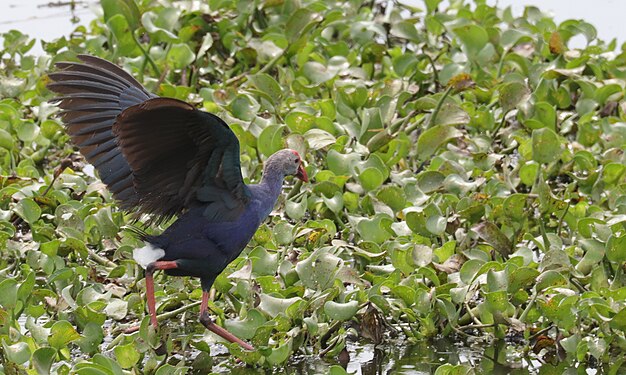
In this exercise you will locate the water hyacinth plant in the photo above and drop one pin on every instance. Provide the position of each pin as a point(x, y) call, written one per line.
point(467, 184)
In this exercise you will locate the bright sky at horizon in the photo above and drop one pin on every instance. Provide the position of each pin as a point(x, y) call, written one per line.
point(40, 21)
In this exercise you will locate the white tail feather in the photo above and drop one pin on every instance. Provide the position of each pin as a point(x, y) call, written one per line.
point(147, 254)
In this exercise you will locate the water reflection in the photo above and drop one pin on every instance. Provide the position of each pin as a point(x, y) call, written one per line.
point(482, 357)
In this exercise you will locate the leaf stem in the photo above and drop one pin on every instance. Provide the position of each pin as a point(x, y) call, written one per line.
point(533, 297)
point(100, 259)
point(433, 116)
point(495, 131)
point(147, 55)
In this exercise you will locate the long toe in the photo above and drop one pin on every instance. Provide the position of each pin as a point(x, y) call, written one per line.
point(206, 321)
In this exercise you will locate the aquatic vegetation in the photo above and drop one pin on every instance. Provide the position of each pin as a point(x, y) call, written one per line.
point(467, 180)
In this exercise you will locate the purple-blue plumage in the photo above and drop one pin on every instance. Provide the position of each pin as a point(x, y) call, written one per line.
point(204, 247)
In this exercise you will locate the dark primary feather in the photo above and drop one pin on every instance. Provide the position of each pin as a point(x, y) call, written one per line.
point(157, 156)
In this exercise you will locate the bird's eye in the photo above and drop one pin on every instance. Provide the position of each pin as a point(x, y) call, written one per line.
point(296, 161)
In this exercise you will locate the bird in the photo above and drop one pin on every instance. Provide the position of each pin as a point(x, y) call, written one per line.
point(166, 159)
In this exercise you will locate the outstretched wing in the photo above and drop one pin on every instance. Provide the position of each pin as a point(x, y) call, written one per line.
point(157, 156)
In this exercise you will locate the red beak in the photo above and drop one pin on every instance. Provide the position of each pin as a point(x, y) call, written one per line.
point(301, 173)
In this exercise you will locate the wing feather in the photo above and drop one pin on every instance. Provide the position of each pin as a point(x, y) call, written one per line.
point(156, 155)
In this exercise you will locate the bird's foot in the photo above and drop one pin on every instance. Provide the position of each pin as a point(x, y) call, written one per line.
point(206, 321)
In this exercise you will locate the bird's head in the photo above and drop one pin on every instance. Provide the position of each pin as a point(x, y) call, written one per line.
point(289, 162)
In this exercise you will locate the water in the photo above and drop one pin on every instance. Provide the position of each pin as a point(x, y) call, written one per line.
point(401, 358)
point(45, 19)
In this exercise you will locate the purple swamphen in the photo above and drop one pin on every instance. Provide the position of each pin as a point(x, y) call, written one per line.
point(163, 157)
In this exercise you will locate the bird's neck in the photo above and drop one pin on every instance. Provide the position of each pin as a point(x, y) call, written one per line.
point(272, 181)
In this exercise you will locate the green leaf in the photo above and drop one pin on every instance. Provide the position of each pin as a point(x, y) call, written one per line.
point(377, 230)
point(180, 56)
point(612, 172)
point(433, 138)
point(6, 140)
point(298, 23)
point(17, 353)
point(244, 108)
point(546, 145)
point(296, 210)
point(615, 249)
point(452, 114)
point(497, 301)
point(371, 178)
point(405, 64)
point(127, 355)
point(513, 94)
point(491, 234)
point(281, 354)
point(317, 73)
point(8, 293)
point(125, 8)
point(318, 270)
point(337, 370)
point(61, 334)
point(42, 360)
point(318, 139)
point(407, 30)
point(473, 37)
point(123, 33)
point(273, 305)
point(160, 24)
point(392, 196)
point(92, 336)
point(246, 328)
point(271, 140)
point(341, 311)
point(28, 210)
point(27, 131)
point(619, 320)
point(268, 85)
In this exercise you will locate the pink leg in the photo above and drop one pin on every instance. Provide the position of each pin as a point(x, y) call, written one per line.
point(158, 265)
point(206, 321)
